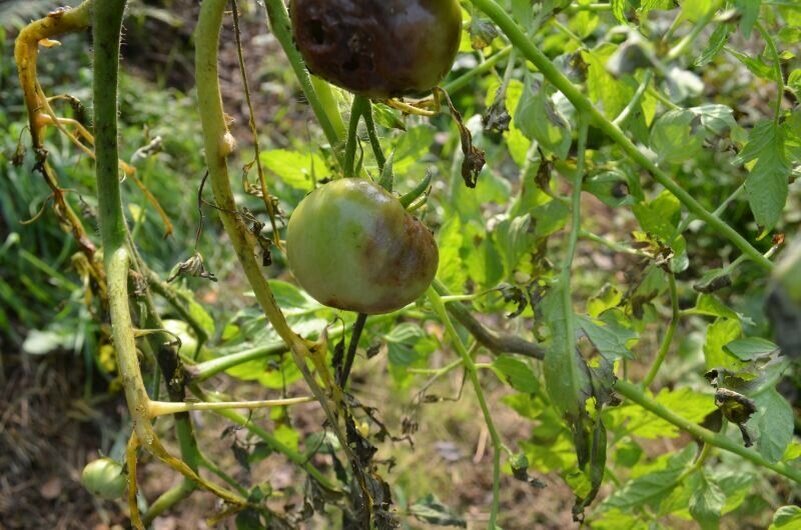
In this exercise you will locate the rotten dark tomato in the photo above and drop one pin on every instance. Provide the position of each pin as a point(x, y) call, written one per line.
point(378, 48)
point(351, 245)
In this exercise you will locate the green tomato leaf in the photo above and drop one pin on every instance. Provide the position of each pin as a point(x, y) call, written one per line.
point(430, 510)
point(686, 402)
point(710, 305)
point(538, 119)
point(774, 422)
point(619, 10)
point(674, 136)
point(294, 168)
point(706, 502)
point(786, 518)
point(716, 42)
point(608, 297)
point(603, 88)
point(650, 489)
point(749, 12)
point(751, 348)
point(566, 377)
point(517, 373)
point(659, 216)
point(767, 184)
point(718, 334)
point(451, 269)
point(608, 337)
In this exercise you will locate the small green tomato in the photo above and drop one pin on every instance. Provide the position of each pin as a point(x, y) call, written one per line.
point(104, 478)
point(351, 245)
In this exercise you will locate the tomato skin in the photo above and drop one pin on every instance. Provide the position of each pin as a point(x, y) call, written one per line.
point(104, 478)
point(351, 245)
point(378, 48)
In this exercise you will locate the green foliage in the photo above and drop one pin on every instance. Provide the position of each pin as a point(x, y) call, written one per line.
point(689, 98)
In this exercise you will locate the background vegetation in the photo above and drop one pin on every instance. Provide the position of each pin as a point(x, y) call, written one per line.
point(707, 90)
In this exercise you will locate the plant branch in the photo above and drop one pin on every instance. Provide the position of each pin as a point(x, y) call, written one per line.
point(472, 373)
point(518, 38)
point(107, 25)
point(668, 338)
point(633, 393)
point(161, 408)
point(360, 104)
point(497, 343)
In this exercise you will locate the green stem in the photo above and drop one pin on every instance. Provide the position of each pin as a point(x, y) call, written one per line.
point(293, 456)
point(172, 297)
point(329, 104)
point(635, 99)
point(357, 110)
point(375, 144)
point(495, 342)
point(464, 79)
point(225, 477)
point(168, 499)
point(519, 39)
point(472, 373)
point(107, 25)
point(633, 393)
point(699, 26)
point(668, 338)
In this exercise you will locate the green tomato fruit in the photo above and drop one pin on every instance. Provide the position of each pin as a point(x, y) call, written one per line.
point(104, 478)
point(378, 48)
point(353, 246)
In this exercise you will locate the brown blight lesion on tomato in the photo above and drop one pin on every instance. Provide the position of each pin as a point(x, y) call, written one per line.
point(378, 48)
point(351, 245)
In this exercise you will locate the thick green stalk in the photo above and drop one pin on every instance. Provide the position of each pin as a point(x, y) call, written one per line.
point(518, 38)
point(218, 144)
point(633, 393)
point(107, 25)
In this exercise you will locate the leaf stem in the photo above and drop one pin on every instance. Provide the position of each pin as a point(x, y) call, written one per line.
point(360, 103)
point(381, 160)
point(472, 373)
point(699, 26)
point(668, 338)
point(464, 79)
point(635, 99)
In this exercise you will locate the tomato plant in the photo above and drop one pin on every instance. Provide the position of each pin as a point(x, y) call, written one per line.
point(611, 302)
